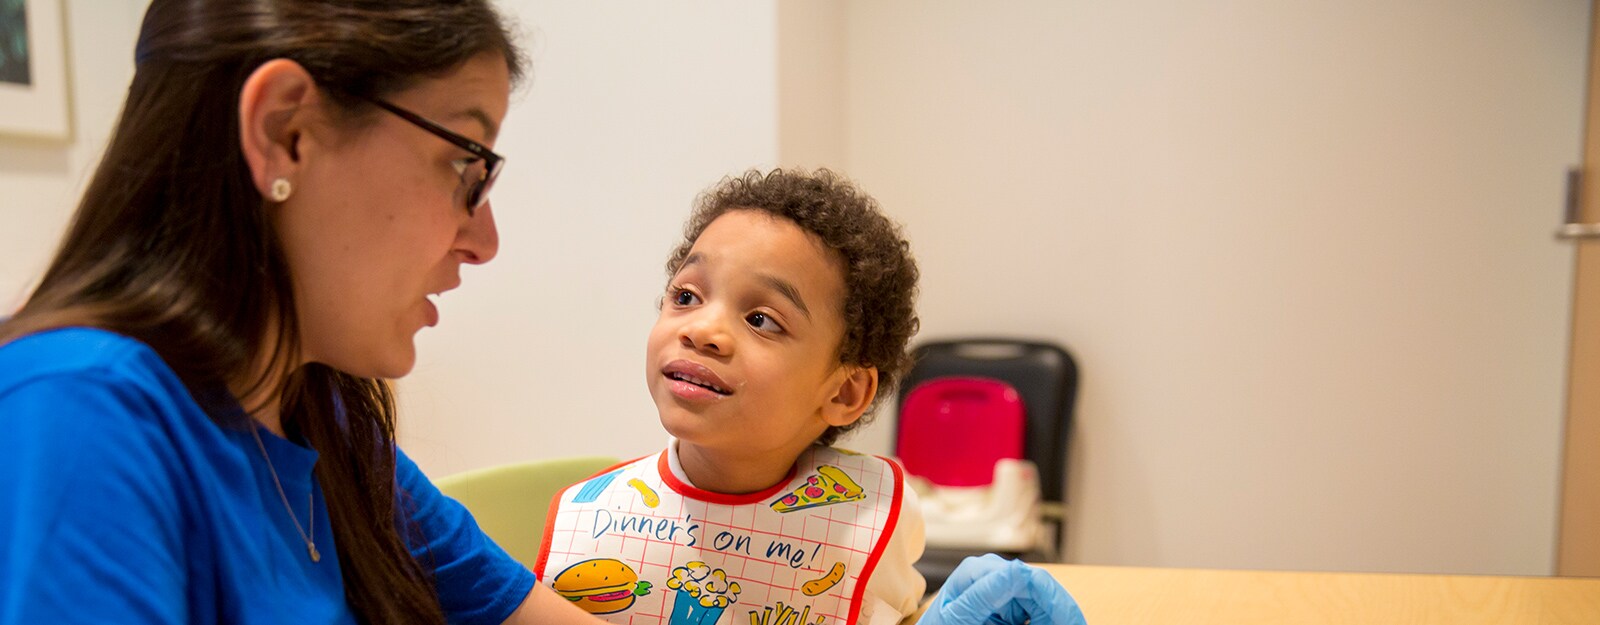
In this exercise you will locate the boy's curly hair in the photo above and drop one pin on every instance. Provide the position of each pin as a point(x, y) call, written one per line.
point(880, 275)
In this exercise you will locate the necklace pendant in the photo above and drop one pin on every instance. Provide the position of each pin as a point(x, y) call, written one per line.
point(312, 549)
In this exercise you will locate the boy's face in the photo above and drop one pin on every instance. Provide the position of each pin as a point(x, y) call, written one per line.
point(744, 356)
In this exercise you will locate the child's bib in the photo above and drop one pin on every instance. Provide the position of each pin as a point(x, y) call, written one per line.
point(637, 546)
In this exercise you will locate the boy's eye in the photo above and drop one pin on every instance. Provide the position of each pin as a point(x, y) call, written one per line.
point(763, 322)
point(684, 298)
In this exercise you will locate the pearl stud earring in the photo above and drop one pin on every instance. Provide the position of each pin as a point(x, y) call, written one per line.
point(281, 189)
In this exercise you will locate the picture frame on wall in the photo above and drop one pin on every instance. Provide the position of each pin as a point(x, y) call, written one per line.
point(33, 70)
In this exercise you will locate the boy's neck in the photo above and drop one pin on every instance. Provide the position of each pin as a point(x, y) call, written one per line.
point(733, 475)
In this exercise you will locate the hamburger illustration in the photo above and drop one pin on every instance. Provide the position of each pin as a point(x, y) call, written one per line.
point(600, 585)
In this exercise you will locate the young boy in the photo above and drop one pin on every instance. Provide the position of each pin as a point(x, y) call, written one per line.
point(784, 322)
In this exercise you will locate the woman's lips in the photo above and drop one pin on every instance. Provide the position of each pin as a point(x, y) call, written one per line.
point(431, 309)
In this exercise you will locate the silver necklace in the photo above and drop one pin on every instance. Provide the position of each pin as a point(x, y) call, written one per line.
point(311, 519)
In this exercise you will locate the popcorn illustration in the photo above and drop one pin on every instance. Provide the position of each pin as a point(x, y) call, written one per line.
point(702, 594)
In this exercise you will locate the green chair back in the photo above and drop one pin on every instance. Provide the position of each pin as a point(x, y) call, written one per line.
point(510, 501)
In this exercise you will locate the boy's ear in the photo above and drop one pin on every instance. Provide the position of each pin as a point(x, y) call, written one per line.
point(273, 113)
point(855, 392)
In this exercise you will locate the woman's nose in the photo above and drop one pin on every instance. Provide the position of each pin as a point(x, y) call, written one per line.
point(479, 239)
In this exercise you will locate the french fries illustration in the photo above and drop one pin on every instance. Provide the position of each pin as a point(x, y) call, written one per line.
point(646, 493)
point(784, 615)
point(822, 584)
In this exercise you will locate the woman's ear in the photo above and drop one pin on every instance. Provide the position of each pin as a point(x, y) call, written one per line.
point(854, 394)
point(274, 106)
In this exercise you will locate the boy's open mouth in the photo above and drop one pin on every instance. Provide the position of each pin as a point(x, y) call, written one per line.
point(684, 377)
point(696, 376)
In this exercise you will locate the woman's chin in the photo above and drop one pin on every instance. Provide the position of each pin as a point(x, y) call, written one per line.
point(388, 366)
point(399, 368)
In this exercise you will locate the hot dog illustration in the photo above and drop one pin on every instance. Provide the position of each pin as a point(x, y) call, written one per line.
point(646, 493)
point(822, 584)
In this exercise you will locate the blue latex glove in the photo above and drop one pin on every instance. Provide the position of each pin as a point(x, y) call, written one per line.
point(993, 590)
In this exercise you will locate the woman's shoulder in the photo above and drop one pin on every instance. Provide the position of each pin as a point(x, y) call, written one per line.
point(74, 389)
point(64, 350)
point(81, 355)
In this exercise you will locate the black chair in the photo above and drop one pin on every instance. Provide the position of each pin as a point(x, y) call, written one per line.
point(1046, 377)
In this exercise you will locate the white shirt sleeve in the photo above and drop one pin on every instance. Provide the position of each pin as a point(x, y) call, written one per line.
point(895, 589)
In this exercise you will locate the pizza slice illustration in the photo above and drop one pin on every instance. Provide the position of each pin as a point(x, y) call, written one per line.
point(826, 487)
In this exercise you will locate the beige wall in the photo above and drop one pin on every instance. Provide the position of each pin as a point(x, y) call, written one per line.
point(1302, 251)
point(40, 180)
point(632, 109)
point(813, 70)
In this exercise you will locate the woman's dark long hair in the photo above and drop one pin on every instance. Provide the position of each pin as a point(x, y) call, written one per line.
point(171, 245)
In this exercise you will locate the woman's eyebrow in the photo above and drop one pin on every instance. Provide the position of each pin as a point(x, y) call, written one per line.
point(490, 129)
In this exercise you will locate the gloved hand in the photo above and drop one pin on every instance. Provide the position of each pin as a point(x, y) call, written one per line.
point(996, 591)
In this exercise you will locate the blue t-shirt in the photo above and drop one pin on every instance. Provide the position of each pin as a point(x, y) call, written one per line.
point(121, 501)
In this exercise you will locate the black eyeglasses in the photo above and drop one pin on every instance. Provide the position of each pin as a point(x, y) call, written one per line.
point(477, 174)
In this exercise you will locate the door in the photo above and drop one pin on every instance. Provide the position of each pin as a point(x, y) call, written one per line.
point(1579, 546)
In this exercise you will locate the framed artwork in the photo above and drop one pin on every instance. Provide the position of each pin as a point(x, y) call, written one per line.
point(33, 70)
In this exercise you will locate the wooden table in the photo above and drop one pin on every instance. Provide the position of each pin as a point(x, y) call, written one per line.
point(1126, 595)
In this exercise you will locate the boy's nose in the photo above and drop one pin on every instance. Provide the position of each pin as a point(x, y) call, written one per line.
point(706, 335)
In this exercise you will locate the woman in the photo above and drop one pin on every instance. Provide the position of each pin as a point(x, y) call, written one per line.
point(198, 427)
